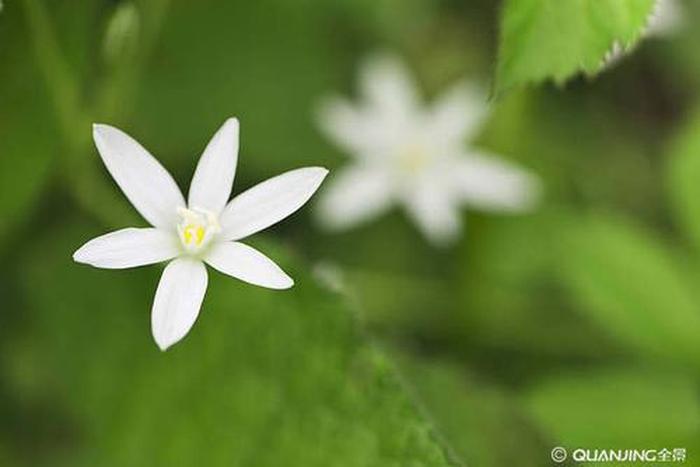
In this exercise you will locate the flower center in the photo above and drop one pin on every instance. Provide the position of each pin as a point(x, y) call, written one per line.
point(196, 228)
point(412, 159)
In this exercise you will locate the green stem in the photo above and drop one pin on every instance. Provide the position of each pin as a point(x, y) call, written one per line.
point(118, 89)
point(80, 170)
point(61, 84)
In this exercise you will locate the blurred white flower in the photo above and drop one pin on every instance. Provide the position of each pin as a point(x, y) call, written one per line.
point(414, 155)
point(205, 229)
point(665, 19)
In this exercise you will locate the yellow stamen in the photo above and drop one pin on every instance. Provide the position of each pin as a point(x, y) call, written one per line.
point(197, 228)
point(200, 235)
point(193, 232)
point(187, 234)
point(413, 159)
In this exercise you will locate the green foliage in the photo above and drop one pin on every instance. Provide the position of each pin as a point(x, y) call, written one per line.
point(274, 378)
point(684, 179)
point(28, 141)
point(632, 286)
point(270, 81)
point(24, 167)
point(286, 378)
point(484, 424)
point(617, 408)
point(556, 39)
point(121, 34)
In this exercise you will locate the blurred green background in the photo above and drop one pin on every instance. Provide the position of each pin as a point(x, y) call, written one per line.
point(577, 325)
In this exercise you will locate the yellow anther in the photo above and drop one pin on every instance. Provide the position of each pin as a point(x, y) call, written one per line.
point(413, 159)
point(200, 235)
point(197, 228)
point(187, 233)
point(194, 233)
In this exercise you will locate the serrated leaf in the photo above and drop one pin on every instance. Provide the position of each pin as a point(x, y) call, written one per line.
point(557, 39)
point(617, 408)
point(264, 378)
point(683, 179)
point(631, 285)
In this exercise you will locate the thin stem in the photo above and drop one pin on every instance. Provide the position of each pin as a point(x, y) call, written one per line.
point(61, 84)
point(84, 178)
point(117, 91)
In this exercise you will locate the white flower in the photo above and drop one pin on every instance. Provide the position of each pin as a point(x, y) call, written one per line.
point(665, 20)
point(414, 155)
point(203, 229)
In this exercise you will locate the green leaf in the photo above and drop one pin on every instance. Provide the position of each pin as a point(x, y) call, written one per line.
point(25, 158)
point(483, 423)
point(265, 377)
point(683, 179)
point(631, 285)
point(616, 408)
point(556, 39)
point(28, 140)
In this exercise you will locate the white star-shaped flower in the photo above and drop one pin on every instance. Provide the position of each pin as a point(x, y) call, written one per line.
point(414, 155)
point(204, 229)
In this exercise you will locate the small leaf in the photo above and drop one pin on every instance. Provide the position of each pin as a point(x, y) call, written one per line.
point(617, 408)
point(630, 284)
point(683, 179)
point(556, 39)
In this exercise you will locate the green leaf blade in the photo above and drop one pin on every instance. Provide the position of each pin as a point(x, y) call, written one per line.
point(616, 408)
point(556, 39)
point(683, 179)
point(631, 285)
point(263, 377)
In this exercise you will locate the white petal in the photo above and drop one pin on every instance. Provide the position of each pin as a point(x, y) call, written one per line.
point(247, 264)
point(365, 133)
point(145, 182)
point(489, 183)
point(178, 299)
point(434, 212)
point(213, 178)
point(348, 126)
point(456, 115)
point(667, 18)
point(355, 195)
point(269, 202)
point(128, 248)
point(387, 116)
point(387, 85)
